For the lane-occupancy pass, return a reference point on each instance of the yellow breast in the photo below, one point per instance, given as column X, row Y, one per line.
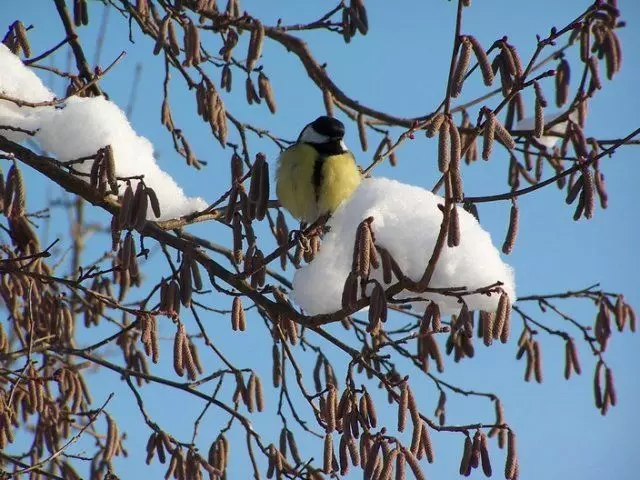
column 295, row 185
column 340, row 177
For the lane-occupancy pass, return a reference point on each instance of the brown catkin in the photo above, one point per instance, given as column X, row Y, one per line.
column 328, row 454
column 389, row 462
column 484, row 455
column 413, row 408
column 350, row 292
column 416, row 436
column 265, row 90
column 588, row 190
column 453, row 233
column 540, row 98
column 574, row 190
column 475, row 450
column 413, row 464
column 343, row 454
column 575, row 360
column 512, row 231
column 461, row 67
column 503, row 314
column 512, row 456
column 483, row 61
column 465, row 461
column 595, row 82
column 503, row 134
column 538, row 125
column 178, row 351
column 371, row 410
column 255, row 45
column 609, row 388
column 425, row 442
column 537, row 361
column 444, row 146
column 434, row 124
column 401, row 466
column 192, row 361
column 250, row 92
column 456, row 150
column 563, row 80
column 597, row 386
column 402, row 406
column 568, row 362
column 330, row 409
column 630, row 312
column 489, row 134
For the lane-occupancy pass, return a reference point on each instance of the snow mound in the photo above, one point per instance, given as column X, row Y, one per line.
column 17, row 81
column 81, row 126
column 406, row 223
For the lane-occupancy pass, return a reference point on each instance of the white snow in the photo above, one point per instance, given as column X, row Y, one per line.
column 406, row 223
column 81, row 126
column 17, row 81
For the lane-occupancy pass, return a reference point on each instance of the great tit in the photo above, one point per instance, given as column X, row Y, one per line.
column 318, row 172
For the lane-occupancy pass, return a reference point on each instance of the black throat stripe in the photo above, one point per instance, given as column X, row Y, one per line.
column 317, row 175
column 324, row 150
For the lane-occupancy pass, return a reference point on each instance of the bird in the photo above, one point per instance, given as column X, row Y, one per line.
column 318, row 172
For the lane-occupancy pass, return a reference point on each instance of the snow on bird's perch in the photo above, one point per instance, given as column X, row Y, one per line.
column 80, row 127
column 406, row 223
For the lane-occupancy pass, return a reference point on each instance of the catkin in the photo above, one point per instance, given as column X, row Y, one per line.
column 444, row 146
column 461, row 67
column 371, row 410
column 434, row 124
column 266, row 91
column 483, row 61
column 512, row 457
column 413, row 464
column 453, row 233
column 594, row 73
column 402, row 406
column 489, row 134
column 562, row 82
column 328, row 454
column 503, row 134
column 575, row 360
column 475, row 450
column 178, row 351
column 484, row 455
column 588, row 190
column 330, row 409
column 512, row 231
column 537, row 361
column 609, row 388
column 255, row 45
column 465, row 461
column 389, row 461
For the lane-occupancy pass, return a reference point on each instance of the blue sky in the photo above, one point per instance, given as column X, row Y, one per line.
column 401, row 67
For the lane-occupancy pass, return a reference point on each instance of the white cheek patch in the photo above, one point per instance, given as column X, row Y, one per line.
column 309, row 135
column 343, row 146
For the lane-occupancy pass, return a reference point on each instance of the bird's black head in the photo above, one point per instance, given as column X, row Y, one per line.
column 325, row 135
column 329, row 126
